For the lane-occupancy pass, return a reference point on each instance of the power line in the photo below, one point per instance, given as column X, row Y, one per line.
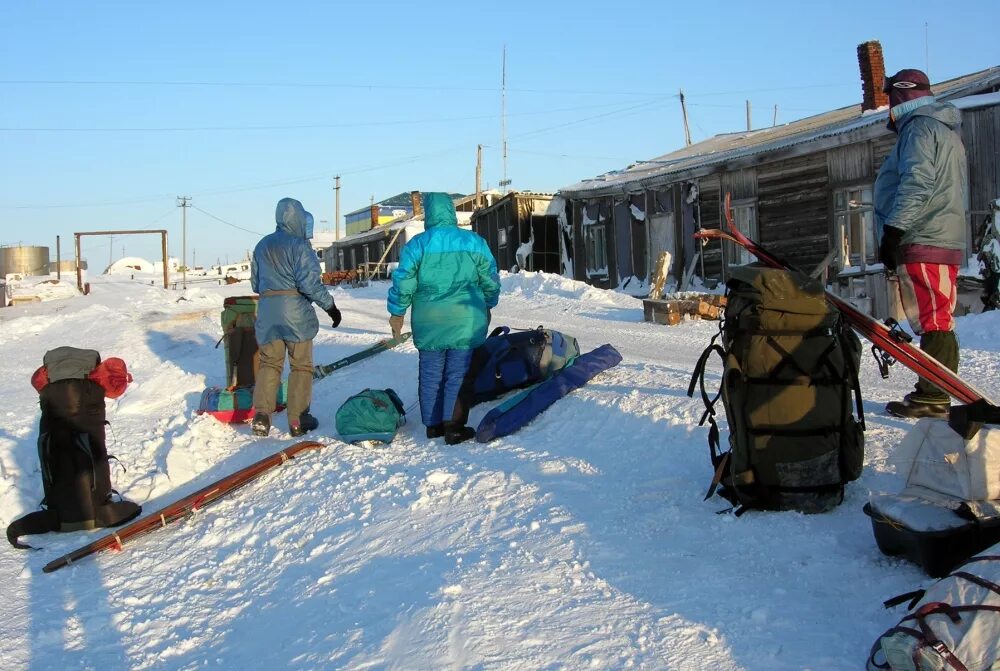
column 768, row 90
column 306, row 85
column 630, row 109
column 310, row 126
column 327, row 175
column 561, row 155
column 240, row 228
column 375, row 86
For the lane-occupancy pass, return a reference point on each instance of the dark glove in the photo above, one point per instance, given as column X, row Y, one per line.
column 334, row 315
column 888, row 249
column 489, row 317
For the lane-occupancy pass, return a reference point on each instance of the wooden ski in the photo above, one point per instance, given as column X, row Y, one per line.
column 888, row 344
column 182, row 508
column 319, row 372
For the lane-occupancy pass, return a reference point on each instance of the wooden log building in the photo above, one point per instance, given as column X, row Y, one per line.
column 803, row 189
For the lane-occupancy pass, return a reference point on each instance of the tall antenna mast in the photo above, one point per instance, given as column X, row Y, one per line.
column 927, row 51
column 503, row 116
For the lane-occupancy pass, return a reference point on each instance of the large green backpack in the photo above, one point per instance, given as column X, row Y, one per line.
column 790, row 364
column 371, row 415
column 238, row 316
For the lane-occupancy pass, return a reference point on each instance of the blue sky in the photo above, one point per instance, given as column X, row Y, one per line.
column 112, row 109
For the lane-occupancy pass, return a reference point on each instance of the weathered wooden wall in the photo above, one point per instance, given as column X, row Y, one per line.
column 981, row 135
column 710, row 216
column 792, row 209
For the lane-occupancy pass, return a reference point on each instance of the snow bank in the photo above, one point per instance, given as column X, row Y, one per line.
column 528, row 284
column 43, row 290
column 580, row 542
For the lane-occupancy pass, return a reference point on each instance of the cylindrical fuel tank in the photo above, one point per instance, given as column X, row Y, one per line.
column 24, row 259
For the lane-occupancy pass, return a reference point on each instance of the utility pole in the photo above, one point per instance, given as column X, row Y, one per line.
column 774, row 121
column 58, row 260
column 184, row 202
column 684, row 113
column 111, row 250
column 479, row 175
column 336, row 214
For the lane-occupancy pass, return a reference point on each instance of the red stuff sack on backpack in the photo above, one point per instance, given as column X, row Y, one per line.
column 112, row 375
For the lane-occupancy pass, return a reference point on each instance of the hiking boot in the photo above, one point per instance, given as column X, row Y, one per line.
column 435, row 431
column 261, row 424
column 455, row 433
column 305, row 424
column 910, row 409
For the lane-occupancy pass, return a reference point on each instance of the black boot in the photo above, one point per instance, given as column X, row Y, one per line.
column 305, row 424
column 435, row 431
column 455, row 433
column 943, row 346
column 261, row 424
column 911, row 409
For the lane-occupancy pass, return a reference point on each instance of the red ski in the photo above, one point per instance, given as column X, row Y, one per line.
column 182, row 508
column 888, row 344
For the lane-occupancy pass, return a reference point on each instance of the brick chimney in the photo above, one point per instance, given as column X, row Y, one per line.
column 872, row 76
column 416, row 203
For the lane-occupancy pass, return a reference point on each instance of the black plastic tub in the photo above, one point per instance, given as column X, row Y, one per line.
column 936, row 552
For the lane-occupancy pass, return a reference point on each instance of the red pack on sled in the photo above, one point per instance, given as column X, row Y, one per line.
column 233, row 406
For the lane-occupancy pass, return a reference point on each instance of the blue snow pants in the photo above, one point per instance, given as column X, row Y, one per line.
column 440, row 379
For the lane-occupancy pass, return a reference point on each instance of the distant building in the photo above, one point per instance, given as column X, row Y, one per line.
column 375, row 251
column 803, row 189
column 527, row 231
column 383, row 212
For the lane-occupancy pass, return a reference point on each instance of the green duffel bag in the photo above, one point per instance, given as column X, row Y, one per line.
column 373, row 414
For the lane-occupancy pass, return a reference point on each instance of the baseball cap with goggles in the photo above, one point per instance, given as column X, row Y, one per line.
column 907, row 80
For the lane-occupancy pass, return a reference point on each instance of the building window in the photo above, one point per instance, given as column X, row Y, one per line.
column 501, row 238
column 596, row 249
column 340, row 259
column 745, row 221
column 854, row 225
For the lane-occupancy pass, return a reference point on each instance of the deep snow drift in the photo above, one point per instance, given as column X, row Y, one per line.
column 580, row 542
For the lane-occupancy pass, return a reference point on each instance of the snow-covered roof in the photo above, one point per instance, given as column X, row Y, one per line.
column 730, row 146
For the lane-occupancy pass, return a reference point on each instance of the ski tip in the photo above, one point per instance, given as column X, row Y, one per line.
column 54, row 565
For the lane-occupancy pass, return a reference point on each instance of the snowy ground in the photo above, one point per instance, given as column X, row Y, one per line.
column 580, row 542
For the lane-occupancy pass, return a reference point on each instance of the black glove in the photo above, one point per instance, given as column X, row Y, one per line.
column 334, row 315
column 888, row 249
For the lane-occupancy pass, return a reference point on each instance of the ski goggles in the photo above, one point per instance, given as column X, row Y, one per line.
column 891, row 83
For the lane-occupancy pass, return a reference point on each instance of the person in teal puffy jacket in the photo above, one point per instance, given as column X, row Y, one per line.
column 448, row 276
column 285, row 272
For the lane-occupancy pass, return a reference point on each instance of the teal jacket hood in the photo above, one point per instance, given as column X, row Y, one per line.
column 293, row 219
column 448, row 277
column 439, row 210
